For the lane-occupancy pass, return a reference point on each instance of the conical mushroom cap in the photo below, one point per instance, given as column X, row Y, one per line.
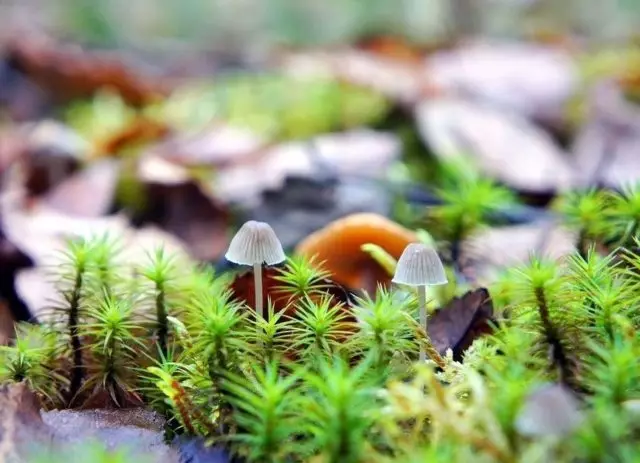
column 419, row 265
column 255, row 243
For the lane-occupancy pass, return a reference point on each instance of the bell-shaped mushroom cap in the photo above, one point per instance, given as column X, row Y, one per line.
column 337, row 248
column 419, row 265
column 255, row 243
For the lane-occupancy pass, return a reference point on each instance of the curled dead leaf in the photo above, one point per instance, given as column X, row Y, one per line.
column 338, row 249
column 530, row 79
column 503, row 144
column 68, row 72
column 461, row 322
column 488, row 252
column 89, row 192
column 605, row 148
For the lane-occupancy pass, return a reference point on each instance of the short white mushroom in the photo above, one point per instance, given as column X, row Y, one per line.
column 256, row 244
column 420, row 266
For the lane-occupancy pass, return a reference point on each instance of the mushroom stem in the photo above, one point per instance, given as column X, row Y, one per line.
column 422, row 301
column 257, row 278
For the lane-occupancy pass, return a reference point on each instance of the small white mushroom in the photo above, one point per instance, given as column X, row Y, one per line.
column 256, row 244
column 420, row 266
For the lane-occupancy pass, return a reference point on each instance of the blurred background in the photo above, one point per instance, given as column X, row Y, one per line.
column 173, row 122
column 256, row 24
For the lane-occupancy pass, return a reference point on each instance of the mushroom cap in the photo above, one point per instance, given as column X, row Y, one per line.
column 420, row 265
column 255, row 243
column 337, row 247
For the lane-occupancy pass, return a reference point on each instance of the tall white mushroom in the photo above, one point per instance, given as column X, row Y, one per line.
column 256, row 244
column 420, row 266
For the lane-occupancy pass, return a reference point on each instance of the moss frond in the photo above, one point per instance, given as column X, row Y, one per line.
column 266, row 413
column 383, row 329
column 623, row 215
column 583, row 211
column 115, row 343
column 161, row 272
column 339, row 406
column 319, row 327
column 302, row 277
column 33, row 358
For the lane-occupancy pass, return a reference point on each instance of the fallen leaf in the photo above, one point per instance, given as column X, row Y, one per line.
column 14, row 308
column 532, row 80
column 7, row 329
column 504, row 145
column 550, row 410
column 139, row 132
column 87, row 193
column 67, row 72
column 362, row 153
column 303, row 204
column 605, row 147
column 488, row 252
column 392, row 48
column 53, row 152
column 337, row 249
column 460, row 322
column 186, row 212
column 399, row 80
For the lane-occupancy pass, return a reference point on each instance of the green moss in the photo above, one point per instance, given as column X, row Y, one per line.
column 318, row 381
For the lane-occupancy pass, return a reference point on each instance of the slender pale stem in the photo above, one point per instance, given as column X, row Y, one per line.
column 259, row 306
column 422, row 301
column 257, row 278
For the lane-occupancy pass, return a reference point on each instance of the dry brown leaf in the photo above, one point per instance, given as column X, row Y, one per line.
column 361, row 153
column 461, row 322
column 530, row 79
column 87, row 193
column 489, row 251
column 505, row 145
column 605, row 148
column 399, row 80
column 68, row 72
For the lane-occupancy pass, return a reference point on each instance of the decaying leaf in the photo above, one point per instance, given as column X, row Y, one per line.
column 7, row 328
column 13, row 307
column 68, row 72
column 51, row 153
column 504, row 145
column 490, row 251
column 338, row 247
column 304, row 205
column 236, row 166
column 461, row 322
column 532, row 80
column 400, row 80
column 184, row 211
column 605, row 148
column 364, row 153
column 87, row 193
column 550, row 410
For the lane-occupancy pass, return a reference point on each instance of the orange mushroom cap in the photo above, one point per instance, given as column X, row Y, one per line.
column 337, row 248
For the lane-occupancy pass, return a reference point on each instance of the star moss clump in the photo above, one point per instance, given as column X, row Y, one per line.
column 324, row 379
